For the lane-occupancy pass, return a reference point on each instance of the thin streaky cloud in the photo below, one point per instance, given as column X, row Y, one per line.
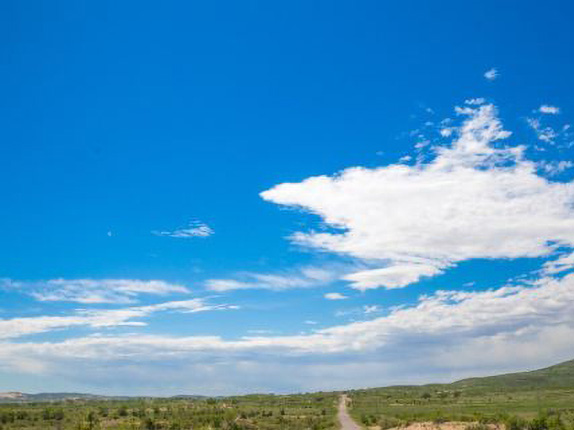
column 549, row 110
column 194, row 229
column 99, row 318
column 303, row 277
column 93, row 291
column 335, row 296
column 370, row 309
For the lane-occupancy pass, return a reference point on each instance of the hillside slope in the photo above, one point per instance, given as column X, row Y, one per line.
column 557, row 376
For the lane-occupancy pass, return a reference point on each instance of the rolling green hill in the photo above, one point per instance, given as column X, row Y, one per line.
column 557, row 376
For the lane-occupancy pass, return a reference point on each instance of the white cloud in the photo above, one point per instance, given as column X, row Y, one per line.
column 391, row 277
column 94, row 290
column 544, row 133
column 553, row 134
column 335, row 296
column 446, row 132
column 475, row 199
column 555, row 167
column 305, row 277
column 194, row 229
column 561, row 264
column 443, row 336
column 259, row 331
column 370, row 309
column 475, row 102
column 550, row 110
column 18, row 327
column 491, row 74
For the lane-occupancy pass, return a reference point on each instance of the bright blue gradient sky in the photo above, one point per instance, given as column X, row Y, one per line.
column 124, row 123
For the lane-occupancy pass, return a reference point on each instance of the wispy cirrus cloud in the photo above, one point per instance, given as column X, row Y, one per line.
column 91, row 291
column 548, row 130
column 544, row 133
column 555, row 167
column 194, row 229
column 99, row 318
column 563, row 263
column 371, row 309
column 304, row 277
column 335, row 296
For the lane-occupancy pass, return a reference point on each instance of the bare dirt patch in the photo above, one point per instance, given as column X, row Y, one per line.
column 450, row 425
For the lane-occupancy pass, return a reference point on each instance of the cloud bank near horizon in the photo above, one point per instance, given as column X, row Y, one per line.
column 448, row 330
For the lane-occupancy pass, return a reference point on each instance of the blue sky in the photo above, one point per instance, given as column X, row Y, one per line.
column 149, row 227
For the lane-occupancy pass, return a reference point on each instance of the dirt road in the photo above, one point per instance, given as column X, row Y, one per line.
column 346, row 421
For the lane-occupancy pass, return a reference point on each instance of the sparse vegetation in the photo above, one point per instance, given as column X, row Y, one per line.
column 298, row 412
column 539, row 400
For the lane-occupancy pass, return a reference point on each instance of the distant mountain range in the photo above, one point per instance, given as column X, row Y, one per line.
column 557, row 376
column 17, row 397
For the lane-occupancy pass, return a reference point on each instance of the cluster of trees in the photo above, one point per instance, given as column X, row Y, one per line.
column 547, row 420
